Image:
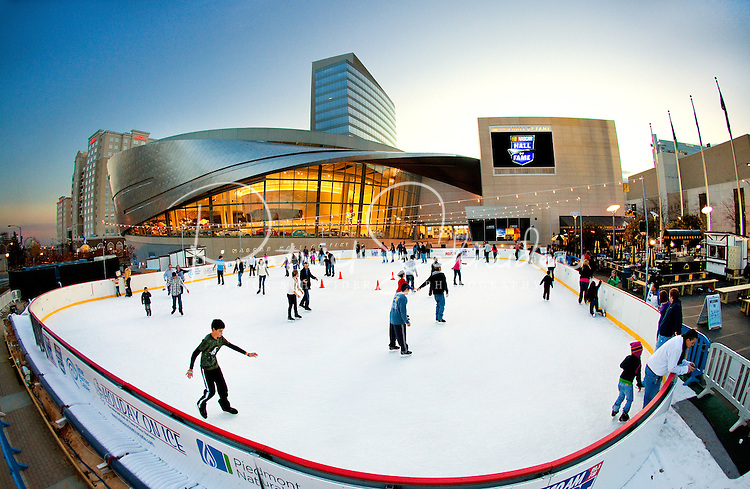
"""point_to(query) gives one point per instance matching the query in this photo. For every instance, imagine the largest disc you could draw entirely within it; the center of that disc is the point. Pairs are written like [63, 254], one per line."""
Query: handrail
[9, 455]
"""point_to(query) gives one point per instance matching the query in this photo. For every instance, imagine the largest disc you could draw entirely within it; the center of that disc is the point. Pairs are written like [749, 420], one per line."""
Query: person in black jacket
[583, 282]
[670, 321]
[592, 297]
[438, 289]
[631, 369]
[305, 277]
[548, 282]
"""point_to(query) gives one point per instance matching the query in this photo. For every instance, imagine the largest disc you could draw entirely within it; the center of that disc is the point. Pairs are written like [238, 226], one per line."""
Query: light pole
[575, 216]
[613, 208]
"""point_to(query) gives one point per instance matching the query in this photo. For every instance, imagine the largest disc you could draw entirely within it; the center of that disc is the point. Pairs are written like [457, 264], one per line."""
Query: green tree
[688, 221]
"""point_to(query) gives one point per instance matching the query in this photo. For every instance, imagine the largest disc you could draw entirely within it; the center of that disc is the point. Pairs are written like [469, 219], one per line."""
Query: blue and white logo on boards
[213, 457]
[583, 480]
[521, 149]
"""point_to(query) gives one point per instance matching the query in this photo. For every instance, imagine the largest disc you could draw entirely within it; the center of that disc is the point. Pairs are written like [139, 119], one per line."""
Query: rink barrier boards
[728, 373]
[151, 444]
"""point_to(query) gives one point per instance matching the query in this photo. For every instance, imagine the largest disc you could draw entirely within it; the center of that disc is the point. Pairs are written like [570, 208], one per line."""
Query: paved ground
[48, 465]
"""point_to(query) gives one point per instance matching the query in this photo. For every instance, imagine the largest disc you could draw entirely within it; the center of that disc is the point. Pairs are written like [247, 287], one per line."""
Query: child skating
[631, 368]
[548, 282]
[146, 300]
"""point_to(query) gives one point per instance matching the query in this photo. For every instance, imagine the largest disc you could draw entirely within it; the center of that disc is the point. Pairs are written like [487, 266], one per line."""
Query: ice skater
[219, 267]
[262, 274]
[146, 300]
[306, 278]
[213, 379]
[631, 369]
[551, 264]
[399, 320]
[239, 269]
[116, 280]
[175, 286]
[592, 297]
[457, 269]
[548, 283]
[439, 290]
[292, 293]
[410, 269]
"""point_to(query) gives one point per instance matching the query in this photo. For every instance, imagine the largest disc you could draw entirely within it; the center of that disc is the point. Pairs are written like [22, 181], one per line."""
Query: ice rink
[509, 381]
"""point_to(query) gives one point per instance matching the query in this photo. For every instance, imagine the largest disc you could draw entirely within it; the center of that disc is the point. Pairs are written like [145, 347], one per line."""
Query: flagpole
[677, 160]
[734, 158]
[705, 174]
[658, 184]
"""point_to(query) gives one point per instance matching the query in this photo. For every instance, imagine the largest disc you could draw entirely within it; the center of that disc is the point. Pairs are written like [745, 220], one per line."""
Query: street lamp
[576, 215]
[613, 208]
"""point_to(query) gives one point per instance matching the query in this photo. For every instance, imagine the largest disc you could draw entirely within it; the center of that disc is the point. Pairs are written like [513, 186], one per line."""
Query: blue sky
[71, 68]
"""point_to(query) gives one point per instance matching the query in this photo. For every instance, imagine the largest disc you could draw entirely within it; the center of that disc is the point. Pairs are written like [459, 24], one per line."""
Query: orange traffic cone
[377, 285]
[321, 284]
[340, 277]
[392, 277]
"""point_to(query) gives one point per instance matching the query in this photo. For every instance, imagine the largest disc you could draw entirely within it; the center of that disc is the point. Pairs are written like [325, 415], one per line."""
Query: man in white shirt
[668, 358]
[653, 295]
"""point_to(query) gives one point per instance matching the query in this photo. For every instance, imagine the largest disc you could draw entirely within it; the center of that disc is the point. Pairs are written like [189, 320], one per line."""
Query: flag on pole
[724, 108]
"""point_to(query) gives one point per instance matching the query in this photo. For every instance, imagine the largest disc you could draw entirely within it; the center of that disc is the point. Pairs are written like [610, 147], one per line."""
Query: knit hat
[400, 273]
[636, 348]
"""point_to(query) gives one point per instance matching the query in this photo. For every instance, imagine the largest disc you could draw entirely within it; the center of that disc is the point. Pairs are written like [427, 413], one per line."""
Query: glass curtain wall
[325, 200]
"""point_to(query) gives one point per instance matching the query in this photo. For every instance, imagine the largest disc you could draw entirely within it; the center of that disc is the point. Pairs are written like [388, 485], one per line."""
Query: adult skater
[670, 322]
[518, 249]
[410, 269]
[438, 289]
[292, 293]
[175, 286]
[146, 300]
[399, 320]
[457, 269]
[252, 262]
[213, 379]
[239, 269]
[494, 253]
[331, 263]
[548, 282]
[551, 263]
[305, 276]
[592, 297]
[167, 275]
[262, 274]
[585, 277]
[669, 358]
[219, 267]
[126, 276]
[487, 251]
[631, 369]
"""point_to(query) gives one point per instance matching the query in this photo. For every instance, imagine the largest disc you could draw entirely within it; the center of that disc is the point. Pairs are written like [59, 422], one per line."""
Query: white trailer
[726, 253]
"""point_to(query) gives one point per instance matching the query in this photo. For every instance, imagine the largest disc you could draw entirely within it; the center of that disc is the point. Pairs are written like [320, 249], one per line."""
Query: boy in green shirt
[213, 379]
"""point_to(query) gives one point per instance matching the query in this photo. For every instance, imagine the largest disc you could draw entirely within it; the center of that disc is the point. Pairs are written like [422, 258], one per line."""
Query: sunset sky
[71, 68]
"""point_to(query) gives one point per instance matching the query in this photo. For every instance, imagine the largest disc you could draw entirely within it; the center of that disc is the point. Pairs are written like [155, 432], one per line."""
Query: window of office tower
[324, 200]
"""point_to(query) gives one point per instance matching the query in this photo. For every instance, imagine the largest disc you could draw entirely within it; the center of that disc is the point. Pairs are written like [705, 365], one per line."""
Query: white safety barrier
[728, 373]
[9, 297]
[159, 446]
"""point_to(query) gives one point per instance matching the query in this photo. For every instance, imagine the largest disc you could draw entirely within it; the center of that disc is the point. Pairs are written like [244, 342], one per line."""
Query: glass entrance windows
[326, 200]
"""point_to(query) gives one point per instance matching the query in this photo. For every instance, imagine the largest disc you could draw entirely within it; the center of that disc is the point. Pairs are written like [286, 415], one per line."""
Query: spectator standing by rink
[614, 279]
[306, 276]
[239, 269]
[548, 282]
[583, 281]
[167, 275]
[551, 263]
[631, 369]
[438, 289]
[146, 300]
[653, 295]
[668, 358]
[457, 269]
[670, 321]
[262, 274]
[292, 293]
[410, 269]
[399, 321]
[213, 378]
[219, 267]
[175, 286]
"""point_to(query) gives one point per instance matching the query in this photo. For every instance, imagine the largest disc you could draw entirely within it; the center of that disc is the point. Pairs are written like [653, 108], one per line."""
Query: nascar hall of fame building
[231, 189]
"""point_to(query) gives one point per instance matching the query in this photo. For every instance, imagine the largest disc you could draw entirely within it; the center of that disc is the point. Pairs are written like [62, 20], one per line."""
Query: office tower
[63, 221]
[346, 99]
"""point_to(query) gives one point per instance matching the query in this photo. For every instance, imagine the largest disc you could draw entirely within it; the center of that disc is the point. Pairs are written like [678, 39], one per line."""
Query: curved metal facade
[153, 178]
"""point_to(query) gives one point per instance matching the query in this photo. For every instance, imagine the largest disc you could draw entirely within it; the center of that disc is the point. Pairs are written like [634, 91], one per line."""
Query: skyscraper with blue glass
[346, 99]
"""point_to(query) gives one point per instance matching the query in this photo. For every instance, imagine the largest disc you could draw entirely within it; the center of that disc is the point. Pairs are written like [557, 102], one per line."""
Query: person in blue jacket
[399, 321]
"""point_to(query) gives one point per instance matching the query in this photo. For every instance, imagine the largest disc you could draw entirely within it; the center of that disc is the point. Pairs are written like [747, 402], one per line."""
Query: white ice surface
[509, 381]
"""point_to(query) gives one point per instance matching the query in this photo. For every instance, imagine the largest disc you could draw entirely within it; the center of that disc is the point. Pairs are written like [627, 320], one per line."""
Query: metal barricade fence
[728, 373]
[698, 353]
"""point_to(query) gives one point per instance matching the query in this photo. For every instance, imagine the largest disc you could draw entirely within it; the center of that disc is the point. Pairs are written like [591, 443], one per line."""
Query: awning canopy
[682, 233]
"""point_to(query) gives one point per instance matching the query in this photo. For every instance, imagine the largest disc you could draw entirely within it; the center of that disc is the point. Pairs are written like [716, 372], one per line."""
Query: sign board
[711, 312]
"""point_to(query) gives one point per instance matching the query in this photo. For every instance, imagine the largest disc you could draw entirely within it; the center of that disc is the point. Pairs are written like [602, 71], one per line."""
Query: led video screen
[522, 147]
